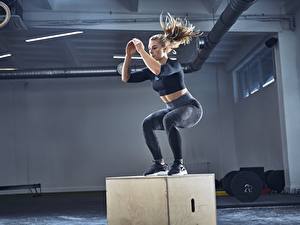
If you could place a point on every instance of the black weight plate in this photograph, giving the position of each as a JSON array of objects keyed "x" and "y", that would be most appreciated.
[
  {"x": 217, "y": 184},
  {"x": 246, "y": 186},
  {"x": 258, "y": 170},
  {"x": 267, "y": 173},
  {"x": 275, "y": 180},
  {"x": 226, "y": 181}
]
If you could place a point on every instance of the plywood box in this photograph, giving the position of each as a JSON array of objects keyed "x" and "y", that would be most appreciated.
[{"x": 162, "y": 200}]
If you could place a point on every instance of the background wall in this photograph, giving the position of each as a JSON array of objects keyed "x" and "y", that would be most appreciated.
[
  {"x": 289, "y": 102},
  {"x": 256, "y": 119},
  {"x": 257, "y": 129},
  {"x": 69, "y": 134}
]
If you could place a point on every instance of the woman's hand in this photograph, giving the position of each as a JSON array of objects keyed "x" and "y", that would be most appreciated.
[
  {"x": 130, "y": 49},
  {"x": 139, "y": 46}
]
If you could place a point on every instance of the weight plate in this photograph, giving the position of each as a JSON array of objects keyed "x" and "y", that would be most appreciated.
[
  {"x": 275, "y": 180},
  {"x": 246, "y": 186},
  {"x": 226, "y": 181}
]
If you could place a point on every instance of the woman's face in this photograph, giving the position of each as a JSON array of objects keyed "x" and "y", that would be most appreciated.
[{"x": 156, "y": 50}]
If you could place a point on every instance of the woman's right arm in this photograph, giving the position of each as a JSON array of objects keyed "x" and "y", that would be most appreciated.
[
  {"x": 125, "y": 68},
  {"x": 130, "y": 50}
]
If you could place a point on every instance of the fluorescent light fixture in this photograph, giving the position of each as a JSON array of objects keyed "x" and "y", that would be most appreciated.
[
  {"x": 7, "y": 69},
  {"x": 255, "y": 90},
  {"x": 108, "y": 71},
  {"x": 54, "y": 36},
  {"x": 269, "y": 82},
  {"x": 5, "y": 56},
  {"x": 246, "y": 95},
  {"x": 133, "y": 57},
  {"x": 123, "y": 57}
]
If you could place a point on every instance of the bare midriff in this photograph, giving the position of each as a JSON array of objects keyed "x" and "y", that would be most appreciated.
[{"x": 171, "y": 97}]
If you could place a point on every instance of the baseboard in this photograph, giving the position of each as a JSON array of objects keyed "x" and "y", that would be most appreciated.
[
  {"x": 56, "y": 190},
  {"x": 292, "y": 189}
]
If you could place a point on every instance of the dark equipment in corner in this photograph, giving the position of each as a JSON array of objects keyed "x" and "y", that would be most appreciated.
[
  {"x": 248, "y": 183},
  {"x": 271, "y": 42}
]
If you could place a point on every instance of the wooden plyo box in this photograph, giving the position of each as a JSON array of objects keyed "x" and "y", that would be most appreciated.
[{"x": 161, "y": 200}]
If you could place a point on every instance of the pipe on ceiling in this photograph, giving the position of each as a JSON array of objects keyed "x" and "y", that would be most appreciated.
[
  {"x": 229, "y": 16},
  {"x": 57, "y": 73}
]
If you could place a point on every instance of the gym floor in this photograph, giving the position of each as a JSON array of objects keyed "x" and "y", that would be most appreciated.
[{"x": 89, "y": 208}]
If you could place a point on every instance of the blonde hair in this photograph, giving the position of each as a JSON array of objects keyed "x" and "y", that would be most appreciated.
[{"x": 177, "y": 31}]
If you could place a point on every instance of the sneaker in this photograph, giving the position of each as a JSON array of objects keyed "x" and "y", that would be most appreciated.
[
  {"x": 157, "y": 169},
  {"x": 177, "y": 169}
]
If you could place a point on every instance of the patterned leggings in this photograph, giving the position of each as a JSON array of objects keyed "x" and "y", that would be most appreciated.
[{"x": 184, "y": 112}]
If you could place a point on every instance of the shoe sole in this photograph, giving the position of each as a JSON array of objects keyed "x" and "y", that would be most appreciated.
[
  {"x": 161, "y": 173},
  {"x": 179, "y": 174}
]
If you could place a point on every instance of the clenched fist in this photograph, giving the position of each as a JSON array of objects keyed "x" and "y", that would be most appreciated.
[
  {"x": 139, "y": 46},
  {"x": 130, "y": 48}
]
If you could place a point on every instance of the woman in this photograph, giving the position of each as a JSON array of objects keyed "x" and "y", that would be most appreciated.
[{"x": 182, "y": 109}]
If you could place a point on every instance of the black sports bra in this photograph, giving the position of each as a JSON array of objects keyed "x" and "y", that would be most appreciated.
[{"x": 170, "y": 79}]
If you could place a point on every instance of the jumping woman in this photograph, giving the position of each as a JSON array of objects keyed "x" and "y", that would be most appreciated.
[{"x": 167, "y": 77}]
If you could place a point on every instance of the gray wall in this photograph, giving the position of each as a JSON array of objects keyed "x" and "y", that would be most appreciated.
[
  {"x": 213, "y": 144},
  {"x": 289, "y": 102},
  {"x": 298, "y": 43},
  {"x": 256, "y": 119},
  {"x": 266, "y": 124},
  {"x": 257, "y": 130},
  {"x": 69, "y": 134}
]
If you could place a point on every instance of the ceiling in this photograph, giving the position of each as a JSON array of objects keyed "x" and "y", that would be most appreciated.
[
  {"x": 93, "y": 48},
  {"x": 107, "y": 25}
]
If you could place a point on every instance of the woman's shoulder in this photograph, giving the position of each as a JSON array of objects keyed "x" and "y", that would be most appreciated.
[
  {"x": 173, "y": 62},
  {"x": 173, "y": 65},
  {"x": 170, "y": 67}
]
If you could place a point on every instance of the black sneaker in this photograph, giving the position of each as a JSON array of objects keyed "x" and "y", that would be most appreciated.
[
  {"x": 177, "y": 169},
  {"x": 157, "y": 169}
]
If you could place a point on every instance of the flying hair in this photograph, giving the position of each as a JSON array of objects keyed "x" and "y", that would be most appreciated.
[{"x": 177, "y": 31}]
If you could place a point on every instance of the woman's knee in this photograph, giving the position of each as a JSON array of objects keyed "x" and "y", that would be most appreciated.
[
  {"x": 147, "y": 123},
  {"x": 168, "y": 123}
]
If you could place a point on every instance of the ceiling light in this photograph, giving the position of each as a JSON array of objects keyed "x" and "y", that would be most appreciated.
[
  {"x": 5, "y": 56},
  {"x": 53, "y": 36},
  {"x": 7, "y": 69},
  {"x": 269, "y": 82}
]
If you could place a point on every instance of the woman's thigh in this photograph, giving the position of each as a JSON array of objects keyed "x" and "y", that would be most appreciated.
[
  {"x": 184, "y": 116},
  {"x": 155, "y": 119}
]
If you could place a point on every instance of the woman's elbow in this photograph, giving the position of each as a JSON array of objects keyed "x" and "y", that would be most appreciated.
[
  {"x": 125, "y": 80},
  {"x": 156, "y": 72}
]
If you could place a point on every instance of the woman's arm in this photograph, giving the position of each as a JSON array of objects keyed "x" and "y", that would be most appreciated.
[
  {"x": 125, "y": 69},
  {"x": 150, "y": 62},
  {"x": 130, "y": 50}
]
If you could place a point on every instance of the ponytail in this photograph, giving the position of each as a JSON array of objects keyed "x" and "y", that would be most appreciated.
[{"x": 177, "y": 31}]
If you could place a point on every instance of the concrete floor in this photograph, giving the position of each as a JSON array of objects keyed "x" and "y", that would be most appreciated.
[
  {"x": 283, "y": 215},
  {"x": 89, "y": 208},
  {"x": 246, "y": 216}
]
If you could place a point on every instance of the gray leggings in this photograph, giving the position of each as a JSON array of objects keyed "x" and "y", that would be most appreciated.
[{"x": 183, "y": 112}]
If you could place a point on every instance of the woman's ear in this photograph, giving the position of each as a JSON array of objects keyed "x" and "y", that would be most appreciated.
[{"x": 167, "y": 49}]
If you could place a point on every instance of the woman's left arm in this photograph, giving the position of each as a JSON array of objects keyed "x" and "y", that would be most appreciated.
[{"x": 150, "y": 62}]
